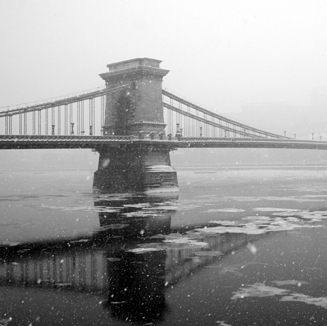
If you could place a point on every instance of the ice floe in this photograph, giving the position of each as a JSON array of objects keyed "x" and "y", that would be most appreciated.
[
  {"x": 308, "y": 215},
  {"x": 263, "y": 290},
  {"x": 225, "y": 223},
  {"x": 272, "y": 198},
  {"x": 289, "y": 282},
  {"x": 143, "y": 250},
  {"x": 207, "y": 253},
  {"x": 163, "y": 208},
  {"x": 225, "y": 210},
  {"x": 280, "y": 219},
  {"x": 139, "y": 205},
  {"x": 299, "y": 297},
  {"x": 232, "y": 269},
  {"x": 186, "y": 241},
  {"x": 139, "y": 214},
  {"x": 258, "y": 290},
  {"x": 257, "y": 218},
  {"x": 116, "y": 226},
  {"x": 222, "y": 323},
  {"x": 274, "y": 209},
  {"x": 113, "y": 259},
  {"x": 175, "y": 240},
  {"x": 243, "y": 199}
]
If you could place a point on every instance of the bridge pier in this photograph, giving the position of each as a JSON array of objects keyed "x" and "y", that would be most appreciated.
[
  {"x": 135, "y": 168},
  {"x": 135, "y": 108}
]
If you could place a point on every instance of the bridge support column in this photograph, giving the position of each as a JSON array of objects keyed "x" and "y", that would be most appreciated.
[
  {"x": 135, "y": 168},
  {"x": 135, "y": 108}
]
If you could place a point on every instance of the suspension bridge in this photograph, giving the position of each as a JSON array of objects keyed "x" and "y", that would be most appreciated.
[{"x": 133, "y": 123}]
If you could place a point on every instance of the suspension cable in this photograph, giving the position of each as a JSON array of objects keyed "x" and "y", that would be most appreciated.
[{"x": 217, "y": 116}]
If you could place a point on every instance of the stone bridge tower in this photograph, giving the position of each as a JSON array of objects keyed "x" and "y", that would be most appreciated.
[
  {"x": 138, "y": 106},
  {"x": 135, "y": 109}
]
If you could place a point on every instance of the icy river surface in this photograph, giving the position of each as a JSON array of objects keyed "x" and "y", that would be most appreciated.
[{"x": 238, "y": 247}]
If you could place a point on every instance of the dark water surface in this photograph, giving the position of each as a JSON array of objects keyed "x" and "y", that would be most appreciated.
[{"x": 234, "y": 247}]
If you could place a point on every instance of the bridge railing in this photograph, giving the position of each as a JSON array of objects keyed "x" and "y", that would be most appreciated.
[{"x": 81, "y": 114}]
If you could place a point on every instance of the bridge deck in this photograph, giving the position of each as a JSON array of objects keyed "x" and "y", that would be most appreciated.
[{"x": 60, "y": 142}]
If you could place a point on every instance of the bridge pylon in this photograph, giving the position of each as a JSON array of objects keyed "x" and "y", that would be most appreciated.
[{"x": 135, "y": 109}]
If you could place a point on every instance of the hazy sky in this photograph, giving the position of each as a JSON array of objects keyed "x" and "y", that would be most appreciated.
[{"x": 220, "y": 54}]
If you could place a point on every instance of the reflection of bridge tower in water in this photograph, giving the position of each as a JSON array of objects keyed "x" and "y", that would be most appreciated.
[
  {"x": 136, "y": 280},
  {"x": 137, "y": 284},
  {"x": 136, "y": 110}
]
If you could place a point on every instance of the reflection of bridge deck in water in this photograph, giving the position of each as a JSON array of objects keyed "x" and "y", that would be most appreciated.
[
  {"x": 81, "y": 270},
  {"x": 86, "y": 269}
]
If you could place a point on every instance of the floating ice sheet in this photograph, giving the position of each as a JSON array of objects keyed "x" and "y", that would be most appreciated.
[
  {"x": 225, "y": 223},
  {"x": 262, "y": 290},
  {"x": 139, "y": 214},
  {"x": 187, "y": 241},
  {"x": 280, "y": 220},
  {"x": 143, "y": 250},
  {"x": 274, "y": 209},
  {"x": 207, "y": 253},
  {"x": 258, "y": 290},
  {"x": 139, "y": 205},
  {"x": 222, "y": 323},
  {"x": 173, "y": 241},
  {"x": 225, "y": 210},
  {"x": 272, "y": 198},
  {"x": 289, "y": 282},
  {"x": 115, "y": 226},
  {"x": 298, "y": 297},
  {"x": 232, "y": 269}
]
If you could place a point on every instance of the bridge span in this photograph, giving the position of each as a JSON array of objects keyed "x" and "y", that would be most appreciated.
[
  {"x": 96, "y": 142},
  {"x": 134, "y": 124}
]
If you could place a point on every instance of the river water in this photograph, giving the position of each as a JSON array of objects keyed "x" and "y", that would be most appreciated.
[{"x": 242, "y": 246}]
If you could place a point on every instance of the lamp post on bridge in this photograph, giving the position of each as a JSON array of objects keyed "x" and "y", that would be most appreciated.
[
  {"x": 178, "y": 131},
  {"x": 72, "y": 128}
]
